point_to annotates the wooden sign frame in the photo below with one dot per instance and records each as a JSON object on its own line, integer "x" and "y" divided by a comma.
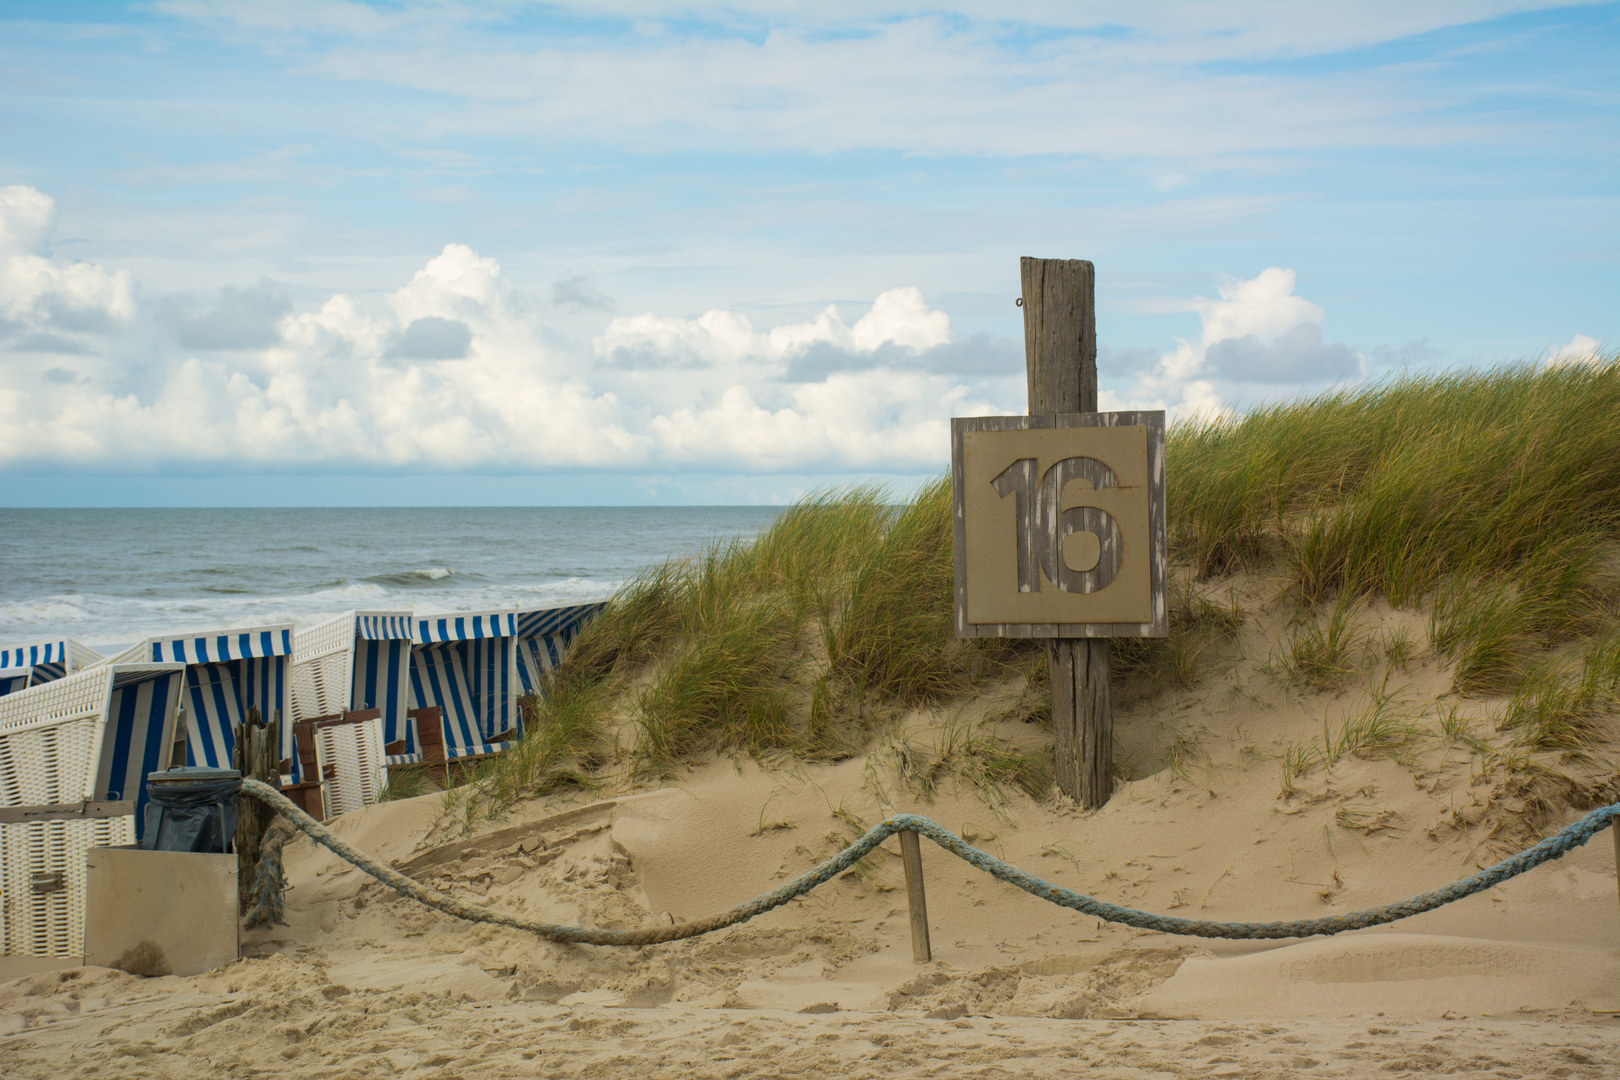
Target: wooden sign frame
{"x": 1113, "y": 477}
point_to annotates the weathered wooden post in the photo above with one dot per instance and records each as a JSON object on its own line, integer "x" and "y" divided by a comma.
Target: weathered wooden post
{"x": 1059, "y": 521}
{"x": 255, "y": 756}
{"x": 916, "y": 900}
{"x": 1060, "y": 363}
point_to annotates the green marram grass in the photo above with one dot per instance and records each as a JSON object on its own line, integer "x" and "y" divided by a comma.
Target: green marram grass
{"x": 1494, "y": 494}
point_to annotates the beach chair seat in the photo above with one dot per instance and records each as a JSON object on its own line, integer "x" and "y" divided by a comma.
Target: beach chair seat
{"x": 427, "y": 733}
{"x": 342, "y": 759}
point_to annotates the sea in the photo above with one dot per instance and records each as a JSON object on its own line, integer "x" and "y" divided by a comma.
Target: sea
{"x": 112, "y": 577}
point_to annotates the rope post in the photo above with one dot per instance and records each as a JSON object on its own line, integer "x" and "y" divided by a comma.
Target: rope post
{"x": 911, "y": 856}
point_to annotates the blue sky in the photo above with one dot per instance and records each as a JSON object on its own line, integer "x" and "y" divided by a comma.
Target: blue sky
{"x": 339, "y": 253}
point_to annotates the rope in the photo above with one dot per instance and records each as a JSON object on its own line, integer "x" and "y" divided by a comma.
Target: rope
{"x": 269, "y": 884}
{"x": 1553, "y": 847}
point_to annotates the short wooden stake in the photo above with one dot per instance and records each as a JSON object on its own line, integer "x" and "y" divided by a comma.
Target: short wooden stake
{"x": 911, "y": 856}
{"x": 1614, "y": 827}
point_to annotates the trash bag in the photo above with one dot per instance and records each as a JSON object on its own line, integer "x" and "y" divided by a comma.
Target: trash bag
{"x": 192, "y": 809}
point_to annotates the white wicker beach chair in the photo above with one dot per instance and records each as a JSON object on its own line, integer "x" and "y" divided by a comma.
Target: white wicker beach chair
{"x": 350, "y": 674}
{"x": 358, "y": 660}
{"x": 349, "y": 753}
{"x": 37, "y": 662}
{"x": 74, "y": 757}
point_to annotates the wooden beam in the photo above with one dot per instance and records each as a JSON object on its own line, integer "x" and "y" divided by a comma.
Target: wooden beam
{"x": 79, "y": 811}
{"x": 1060, "y": 359}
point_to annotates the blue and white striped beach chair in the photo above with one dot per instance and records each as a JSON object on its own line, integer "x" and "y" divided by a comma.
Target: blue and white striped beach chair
{"x": 544, "y": 636}
{"x": 474, "y": 666}
{"x": 74, "y": 757}
{"x": 226, "y": 672}
{"x": 358, "y": 660}
{"x": 22, "y": 666}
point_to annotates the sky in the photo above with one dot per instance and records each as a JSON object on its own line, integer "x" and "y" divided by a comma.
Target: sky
{"x": 338, "y": 253}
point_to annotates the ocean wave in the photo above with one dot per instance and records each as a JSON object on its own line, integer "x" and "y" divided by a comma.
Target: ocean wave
{"x": 416, "y": 579}
{"x": 104, "y": 583}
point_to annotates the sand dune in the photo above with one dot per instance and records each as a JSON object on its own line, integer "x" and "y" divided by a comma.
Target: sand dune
{"x": 1522, "y": 981}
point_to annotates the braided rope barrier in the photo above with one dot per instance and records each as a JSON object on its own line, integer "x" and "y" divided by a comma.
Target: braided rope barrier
{"x": 269, "y": 886}
{"x": 1554, "y": 847}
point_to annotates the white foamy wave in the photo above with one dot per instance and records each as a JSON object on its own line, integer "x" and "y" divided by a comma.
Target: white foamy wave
{"x": 45, "y": 612}
{"x": 100, "y": 620}
{"x": 543, "y": 594}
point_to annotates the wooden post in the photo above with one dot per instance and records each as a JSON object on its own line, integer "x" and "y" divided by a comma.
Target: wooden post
{"x": 256, "y": 756}
{"x": 1060, "y": 356}
{"x": 1614, "y": 827}
{"x": 911, "y": 856}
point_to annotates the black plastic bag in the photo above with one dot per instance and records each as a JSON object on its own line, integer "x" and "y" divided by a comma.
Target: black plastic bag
{"x": 191, "y": 810}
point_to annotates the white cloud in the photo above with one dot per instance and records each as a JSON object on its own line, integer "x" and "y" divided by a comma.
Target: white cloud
{"x": 45, "y": 300}
{"x": 1580, "y": 349}
{"x": 899, "y": 317}
{"x": 27, "y": 218}
{"x": 455, "y": 370}
{"x": 1257, "y": 332}
{"x": 1160, "y": 80}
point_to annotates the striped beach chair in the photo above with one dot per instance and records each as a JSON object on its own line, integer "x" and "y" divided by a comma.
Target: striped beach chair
{"x": 22, "y": 666}
{"x": 351, "y": 695}
{"x": 543, "y": 638}
{"x": 74, "y": 757}
{"x": 227, "y": 671}
{"x": 358, "y": 660}
{"x": 474, "y": 665}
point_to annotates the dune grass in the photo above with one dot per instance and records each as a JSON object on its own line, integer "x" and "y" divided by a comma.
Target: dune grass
{"x": 1496, "y": 494}
{"x": 1557, "y": 706}
{"x": 965, "y": 753}
{"x": 1393, "y": 488}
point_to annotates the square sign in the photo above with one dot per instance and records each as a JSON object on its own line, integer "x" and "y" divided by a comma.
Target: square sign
{"x": 1059, "y": 525}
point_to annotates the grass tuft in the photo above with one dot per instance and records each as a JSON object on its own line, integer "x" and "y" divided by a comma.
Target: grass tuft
{"x": 404, "y": 782}
{"x": 970, "y": 754}
{"x": 1144, "y": 667}
{"x": 1299, "y": 759}
{"x": 1318, "y": 655}
{"x": 1555, "y": 708}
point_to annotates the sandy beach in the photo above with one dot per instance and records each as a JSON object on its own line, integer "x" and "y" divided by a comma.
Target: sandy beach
{"x": 1521, "y": 981}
